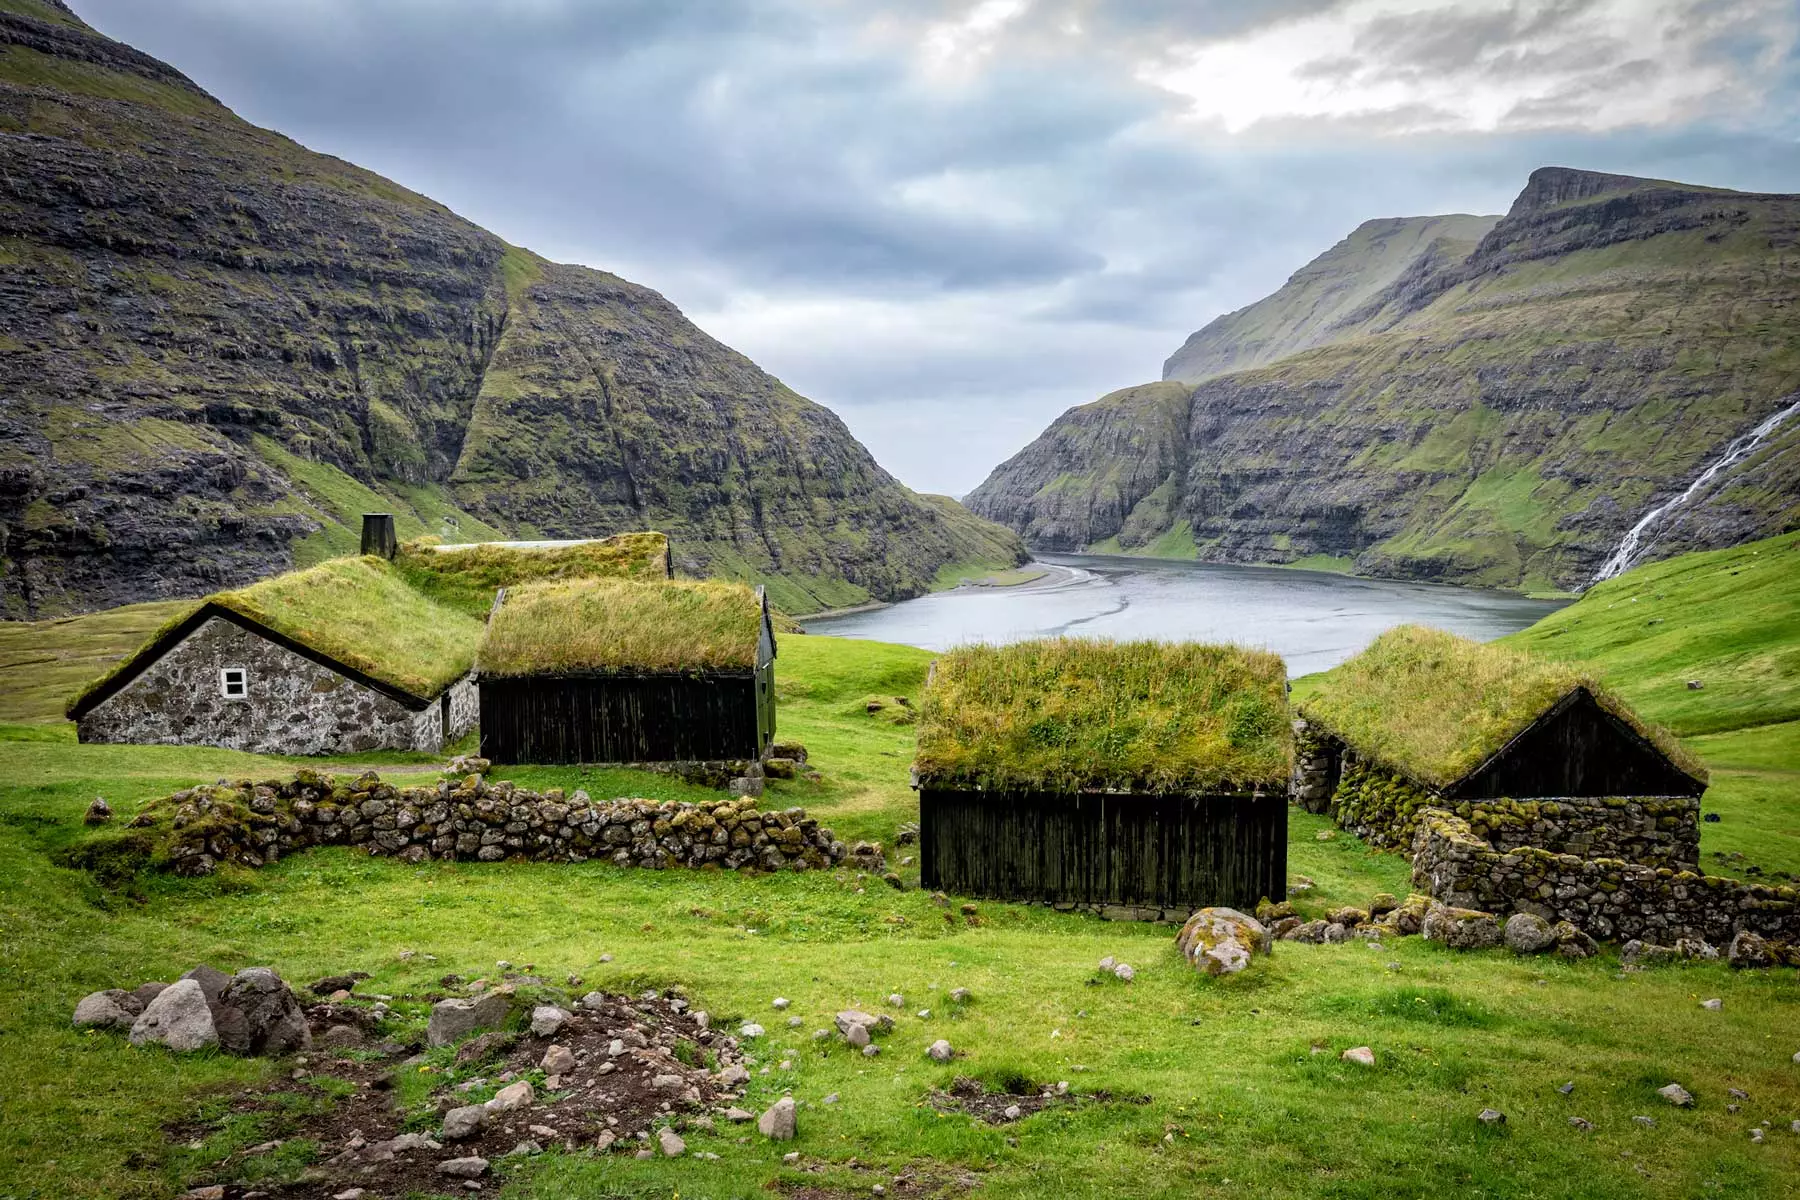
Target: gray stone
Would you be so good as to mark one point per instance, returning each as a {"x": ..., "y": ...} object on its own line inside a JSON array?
[
  {"x": 178, "y": 1018},
  {"x": 668, "y": 1083},
  {"x": 547, "y": 1019},
  {"x": 1362, "y": 1056},
  {"x": 1461, "y": 928},
  {"x": 558, "y": 1060},
  {"x": 1581, "y": 1123},
  {"x": 734, "y": 1076},
  {"x": 871, "y": 1050},
  {"x": 211, "y": 980},
  {"x": 1491, "y": 1116},
  {"x": 407, "y": 1142},
  {"x": 453, "y": 1020},
  {"x": 1712, "y": 1005},
  {"x": 524, "y": 1149},
  {"x": 1636, "y": 953},
  {"x": 1677, "y": 1095},
  {"x": 465, "y": 1122},
  {"x": 671, "y": 1143},
  {"x": 940, "y": 1051},
  {"x": 1528, "y": 933},
  {"x": 144, "y": 993},
  {"x": 463, "y": 1168},
  {"x": 339, "y": 1037},
  {"x": 858, "y": 1036},
  {"x": 512, "y": 1097},
  {"x": 267, "y": 1019},
  {"x": 1012, "y": 1112},
  {"x": 779, "y": 1122},
  {"x": 111, "y": 1009},
  {"x": 1749, "y": 951}
]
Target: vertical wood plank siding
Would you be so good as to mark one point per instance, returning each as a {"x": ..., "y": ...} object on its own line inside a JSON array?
[
  {"x": 1163, "y": 851},
  {"x": 628, "y": 718}
]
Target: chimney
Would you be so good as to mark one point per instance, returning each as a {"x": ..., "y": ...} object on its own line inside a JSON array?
[{"x": 378, "y": 535}]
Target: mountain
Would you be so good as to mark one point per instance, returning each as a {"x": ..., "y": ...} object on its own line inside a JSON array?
[
  {"x": 218, "y": 348},
  {"x": 1429, "y": 400}
]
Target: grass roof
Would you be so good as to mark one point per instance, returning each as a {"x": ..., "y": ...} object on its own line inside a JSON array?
[
  {"x": 358, "y": 611},
  {"x": 1072, "y": 714},
  {"x": 601, "y": 625},
  {"x": 466, "y": 577},
  {"x": 1436, "y": 706}
]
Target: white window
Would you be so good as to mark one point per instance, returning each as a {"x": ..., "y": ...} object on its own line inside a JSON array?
[{"x": 234, "y": 683}]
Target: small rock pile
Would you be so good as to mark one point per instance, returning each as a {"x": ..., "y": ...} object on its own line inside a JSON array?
[
  {"x": 1456, "y": 928},
  {"x": 251, "y": 1013},
  {"x": 250, "y": 824}
]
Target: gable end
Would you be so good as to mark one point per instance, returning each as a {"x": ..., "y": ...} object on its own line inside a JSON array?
[{"x": 1576, "y": 748}]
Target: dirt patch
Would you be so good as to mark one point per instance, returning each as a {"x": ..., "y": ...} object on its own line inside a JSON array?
[
  {"x": 917, "y": 1181},
  {"x": 629, "y": 1066},
  {"x": 972, "y": 1097}
]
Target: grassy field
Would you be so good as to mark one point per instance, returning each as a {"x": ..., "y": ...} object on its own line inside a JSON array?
[{"x": 1215, "y": 1085}]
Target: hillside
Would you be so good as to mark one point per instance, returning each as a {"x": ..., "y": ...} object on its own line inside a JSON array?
[
  {"x": 220, "y": 347},
  {"x": 1497, "y": 416}
]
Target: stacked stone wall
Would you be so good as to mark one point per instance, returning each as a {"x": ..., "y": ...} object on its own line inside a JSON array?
[
  {"x": 255, "y": 823},
  {"x": 1605, "y": 897},
  {"x": 1650, "y": 831}
]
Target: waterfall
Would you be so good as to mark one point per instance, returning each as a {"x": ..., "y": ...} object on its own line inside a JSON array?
[{"x": 1739, "y": 449}]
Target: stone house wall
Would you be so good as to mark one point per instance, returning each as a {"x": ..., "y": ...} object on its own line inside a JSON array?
[
  {"x": 1604, "y": 897},
  {"x": 465, "y": 710},
  {"x": 251, "y": 824},
  {"x": 292, "y": 705}
]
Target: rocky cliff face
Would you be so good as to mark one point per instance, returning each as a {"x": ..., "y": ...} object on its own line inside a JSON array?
[
  {"x": 1497, "y": 415},
  {"x": 218, "y": 348}
]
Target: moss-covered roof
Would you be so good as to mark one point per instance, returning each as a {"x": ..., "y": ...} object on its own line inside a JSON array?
[
  {"x": 466, "y": 577},
  {"x": 1077, "y": 714},
  {"x": 602, "y": 625},
  {"x": 1436, "y": 706},
  {"x": 355, "y": 611}
]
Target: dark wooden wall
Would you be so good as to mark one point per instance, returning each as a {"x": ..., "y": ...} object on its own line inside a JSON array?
[
  {"x": 628, "y": 718},
  {"x": 1577, "y": 749},
  {"x": 1166, "y": 851}
]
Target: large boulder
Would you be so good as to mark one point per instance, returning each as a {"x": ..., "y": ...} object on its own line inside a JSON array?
[
  {"x": 778, "y": 1123},
  {"x": 1528, "y": 933},
  {"x": 1461, "y": 928},
  {"x": 111, "y": 1009},
  {"x": 265, "y": 1018},
  {"x": 1221, "y": 941},
  {"x": 453, "y": 1020},
  {"x": 178, "y": 1018},
  {"x": 1749, "y": 950}
]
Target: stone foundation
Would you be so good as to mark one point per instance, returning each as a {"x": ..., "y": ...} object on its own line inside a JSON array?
[
  {"x": 1605, "y": 897},
  {"x": 254, "y": 823}
]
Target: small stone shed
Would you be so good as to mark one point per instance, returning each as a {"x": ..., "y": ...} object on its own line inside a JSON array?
[
  {"x": 341, "y": 658},
  {"x": 1146, "y": 777},
  {"x": 1533, "y": 752},
  {"x": 622, "y": 670}
]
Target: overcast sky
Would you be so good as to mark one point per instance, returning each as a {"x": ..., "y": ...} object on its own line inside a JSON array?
[{"x": 950, "y": 220}]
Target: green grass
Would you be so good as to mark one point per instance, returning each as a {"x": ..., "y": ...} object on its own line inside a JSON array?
[
  {"x": 622, "y": 624},
  {"x": 44, "y": 663},
  {"x": 1230, "y": 1086},
  {"x": 467, "y": 577},
  {"x": 1435, "y": 706},
  {"x": 1071, "y": 713},
  {"x": 1727, "y": 618}
]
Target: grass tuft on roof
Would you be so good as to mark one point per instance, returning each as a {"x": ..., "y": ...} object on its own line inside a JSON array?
[
  {"x": 466, "y": 577},
  {"x": 1436, "y": 706},
  {"x": 606, "y": 625},
  {"x": 1083, "y": 714},
  {"x": 358, "y": 611}
]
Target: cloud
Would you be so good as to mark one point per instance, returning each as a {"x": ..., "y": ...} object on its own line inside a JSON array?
[{"x": 951, "y": 220}]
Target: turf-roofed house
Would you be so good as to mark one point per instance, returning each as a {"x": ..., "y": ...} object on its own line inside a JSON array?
[
  {"x": 1528, "y": 748},
  {"x": 624, "y": 670},
  {"x": 1145, "y": 779},
  {"x": 340, "y": 658}
]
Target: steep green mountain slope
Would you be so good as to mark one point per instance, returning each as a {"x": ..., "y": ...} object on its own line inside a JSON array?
[
  {"x": 1326, "y": 298},
  {"x": 219, "y": 347},
  {"x": 1502, "y": 418}
]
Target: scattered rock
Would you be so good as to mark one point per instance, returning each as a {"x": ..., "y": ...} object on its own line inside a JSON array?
[
  {"x": 1581, "y": 1123},
  {"x": 1528, "y": 933},
  {"x": 896, "y": 1000},
  {"x": 453, "y": 1020},
  {"x": 512, "y": 1096},
  {"x": 1012, "y": 1112},
  {"x": 463, "y": 1168},
  {"x": 780, "y": 1002},
  {"x": 750, "y": 1029},
  {"x": 1491, "y": 1116},
  {"x": 547, "y": 1019},
  {"x": 98, "y": 813},
  {"x": 558, "y": 1060},
  {"x": 111, "y": 1009},
  {"x": 858, "y": 1036},
  {"x": 1362, "y": 1056},
  {"x": 671, "y": 1143},
  {"x": 1567, "y": 1088},
  {"x": 1646, "y": 1122},
  {"x": 1677, "y": 1095},
  {"x": 178, "y": 1018},
  {"x": 1636, "y": 953},
  {"x": 959, "y": 995},
  {"x": 465, "y": 1122},
  {"x": 736, "y": 1075},
  {"x": 940, "y": 1051},
  {"x": 871, "y": 1050},
  {"x": 339, "y": 1037},
  {"x": 1461, "y": 928},
  {"x": 1571, "y": 942},
  {"x": 1221, "y": 941},
  {"x": 1123, "y": 971},
  {"x": 257, "y": 1013},
  {"x": 1713, "y": 1005},
  {"x": 739, "y": 1115},
  {"x": 778, "y": 1123},
  {"x": 1748, "y": 951}
]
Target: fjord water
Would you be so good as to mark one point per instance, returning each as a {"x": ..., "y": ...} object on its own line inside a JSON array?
[{"x": 1312, "y": 619}]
